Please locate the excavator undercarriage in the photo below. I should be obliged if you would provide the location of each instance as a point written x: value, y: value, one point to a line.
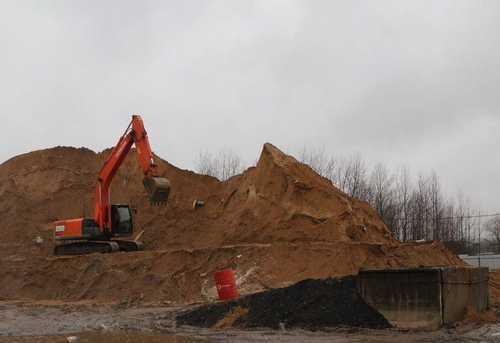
x: 89, y: 247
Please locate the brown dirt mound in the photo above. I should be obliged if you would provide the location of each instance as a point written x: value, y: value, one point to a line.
x: 276, y: 223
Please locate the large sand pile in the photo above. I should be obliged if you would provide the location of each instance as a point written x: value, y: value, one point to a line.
x: 276, y: 223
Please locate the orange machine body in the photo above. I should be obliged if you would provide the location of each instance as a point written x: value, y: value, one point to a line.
x: 68, y: 229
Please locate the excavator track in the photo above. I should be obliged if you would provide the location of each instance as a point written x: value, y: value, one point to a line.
x: 90, y: 247
x: 86, y: 247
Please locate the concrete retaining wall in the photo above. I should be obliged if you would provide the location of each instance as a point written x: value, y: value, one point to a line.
x: 425, y: 297
x: 463, y: 289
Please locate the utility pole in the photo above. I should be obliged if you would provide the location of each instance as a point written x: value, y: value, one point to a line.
x: 479, y: 255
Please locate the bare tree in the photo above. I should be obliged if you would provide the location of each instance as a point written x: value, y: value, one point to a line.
x: 403, y: 199
x: 382, y: 185
x: 223, y: 165
x: 350, y: 175
x: 436, y: 206
x: 205, y: 165
x: 493, y: 229
x: 319, y: 161
x: 358, y: 186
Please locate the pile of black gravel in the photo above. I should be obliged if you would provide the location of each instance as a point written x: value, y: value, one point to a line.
x: 309, y: 304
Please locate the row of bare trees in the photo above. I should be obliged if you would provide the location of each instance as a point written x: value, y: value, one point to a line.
x: 413, y: 207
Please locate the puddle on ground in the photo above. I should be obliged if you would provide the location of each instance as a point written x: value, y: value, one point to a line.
x: 108, y: 337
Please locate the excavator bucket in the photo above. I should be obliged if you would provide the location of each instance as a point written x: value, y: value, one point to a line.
x: 158, y: 189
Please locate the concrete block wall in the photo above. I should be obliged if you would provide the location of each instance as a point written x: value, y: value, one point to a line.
x: 425, y: 297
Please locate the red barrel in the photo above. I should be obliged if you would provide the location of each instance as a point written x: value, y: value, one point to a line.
x: 225, y: 281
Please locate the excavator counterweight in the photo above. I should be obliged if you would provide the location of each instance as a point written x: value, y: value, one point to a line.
x: 110, y: 221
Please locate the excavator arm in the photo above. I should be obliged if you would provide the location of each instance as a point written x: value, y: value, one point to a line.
x: 158, y: 188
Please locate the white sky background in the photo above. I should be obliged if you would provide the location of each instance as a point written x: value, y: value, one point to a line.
x: 403, y: 82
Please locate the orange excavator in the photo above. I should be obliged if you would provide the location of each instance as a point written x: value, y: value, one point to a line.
x: 112, y: 221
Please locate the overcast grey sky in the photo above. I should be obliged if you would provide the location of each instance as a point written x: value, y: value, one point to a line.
x: 404, y: 82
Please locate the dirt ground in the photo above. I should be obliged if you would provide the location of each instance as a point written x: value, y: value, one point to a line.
x: 40, y: 322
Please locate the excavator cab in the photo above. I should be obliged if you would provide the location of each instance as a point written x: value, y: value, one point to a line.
x: 158, y: 189
x: 121, y: 219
